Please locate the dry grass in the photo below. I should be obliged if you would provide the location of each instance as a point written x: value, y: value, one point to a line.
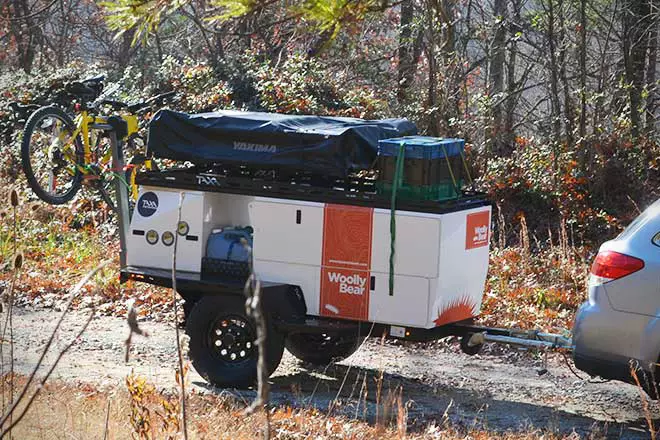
x: 540, y: 289
x: 79, y: 412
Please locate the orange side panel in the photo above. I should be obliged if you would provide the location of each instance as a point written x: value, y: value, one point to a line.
x: 477, y: 228
x: 346, y: 260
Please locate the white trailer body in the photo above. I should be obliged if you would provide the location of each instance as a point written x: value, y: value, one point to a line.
x: 338, y: 254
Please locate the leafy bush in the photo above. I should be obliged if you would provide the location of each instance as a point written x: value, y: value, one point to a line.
x: 548, y: 184
x: 301, y: 86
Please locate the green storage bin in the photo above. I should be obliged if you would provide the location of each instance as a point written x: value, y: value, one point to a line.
x: 439, y: 192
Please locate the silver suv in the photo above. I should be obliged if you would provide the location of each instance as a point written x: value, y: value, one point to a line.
x: 620, y: 321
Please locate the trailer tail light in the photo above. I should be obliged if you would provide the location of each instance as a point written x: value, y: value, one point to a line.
x: 610, y: 265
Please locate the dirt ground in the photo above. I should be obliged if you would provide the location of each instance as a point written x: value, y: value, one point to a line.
x: 500, y: 389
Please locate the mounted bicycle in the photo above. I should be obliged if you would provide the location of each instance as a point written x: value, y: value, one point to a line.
x: 59, y: 153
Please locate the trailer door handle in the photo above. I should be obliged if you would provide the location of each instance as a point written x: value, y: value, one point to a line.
x: 298, y: 216
x: 373, y: 283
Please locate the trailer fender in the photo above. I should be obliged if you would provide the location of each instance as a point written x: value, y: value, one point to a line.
x: 284, y: 302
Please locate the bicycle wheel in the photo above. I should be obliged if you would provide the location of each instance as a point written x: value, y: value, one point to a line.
x: 49, y: 155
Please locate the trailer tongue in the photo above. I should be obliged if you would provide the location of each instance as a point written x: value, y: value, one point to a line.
x: 400, y: 251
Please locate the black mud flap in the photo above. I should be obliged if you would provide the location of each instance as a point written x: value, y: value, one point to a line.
x: 284, y: 302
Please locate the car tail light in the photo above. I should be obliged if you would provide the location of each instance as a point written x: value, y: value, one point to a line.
x: 610, y: 265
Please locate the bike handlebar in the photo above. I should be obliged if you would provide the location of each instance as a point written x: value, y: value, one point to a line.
x: 158, y: 99
x: 134, y: 108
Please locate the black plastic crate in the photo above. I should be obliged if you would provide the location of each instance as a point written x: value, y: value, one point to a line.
x: 421, y: 172
x: 216, y: 267
x: 428, y: 161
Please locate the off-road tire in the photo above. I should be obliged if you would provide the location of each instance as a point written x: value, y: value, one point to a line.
x: 208, y: 315
x: 322, y: 348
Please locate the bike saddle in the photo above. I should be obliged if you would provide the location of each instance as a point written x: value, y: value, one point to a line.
x: 84, y: 90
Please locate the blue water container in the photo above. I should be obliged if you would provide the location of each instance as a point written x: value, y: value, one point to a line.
x: 225, y: 244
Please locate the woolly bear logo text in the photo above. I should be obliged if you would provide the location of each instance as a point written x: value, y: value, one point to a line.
x: 350, y: 284
x: 476, y: 230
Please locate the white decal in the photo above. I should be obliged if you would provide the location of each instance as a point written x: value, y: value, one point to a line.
x: 149, y: 204
x: 332, y: 308
x: 206, y: 180
x: 351, y: 284
x: 480, y: 234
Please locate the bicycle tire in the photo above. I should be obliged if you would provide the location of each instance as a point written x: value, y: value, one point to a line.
x: 26, y: 156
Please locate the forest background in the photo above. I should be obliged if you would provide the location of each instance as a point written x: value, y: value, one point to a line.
x: 557, y: 101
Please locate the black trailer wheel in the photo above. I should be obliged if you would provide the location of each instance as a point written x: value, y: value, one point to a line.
x: 222, y: 344
x: 470, y: 349
x: 322, y: 348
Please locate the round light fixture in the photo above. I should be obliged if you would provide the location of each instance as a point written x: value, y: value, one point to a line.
x: 152, y: 236
x: 182, y: 228
x: 168, y: 238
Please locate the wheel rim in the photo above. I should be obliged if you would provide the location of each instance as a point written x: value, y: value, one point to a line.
x: 231, y: 339
x: 51, y: 147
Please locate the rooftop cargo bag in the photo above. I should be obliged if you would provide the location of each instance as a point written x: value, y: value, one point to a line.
x: 330, y: 146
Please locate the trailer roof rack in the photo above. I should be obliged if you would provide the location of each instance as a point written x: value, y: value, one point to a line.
x: 350, y: 192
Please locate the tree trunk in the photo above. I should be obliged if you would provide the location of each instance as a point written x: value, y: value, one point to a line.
x: 24, y: 35
x: 451, y: 70
x: 603, y: 70
x: 434, y: 129
x: 406, y: 61
x: 512, y: 95
x: 554, y: 74
x: 124, y: 54
x: 583, y: 70
x: 651, y: 68
x: 496, y: 77
x: 634, y: 51
x: 569, y: 109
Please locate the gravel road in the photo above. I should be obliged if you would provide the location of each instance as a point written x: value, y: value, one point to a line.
x: 500, y: 389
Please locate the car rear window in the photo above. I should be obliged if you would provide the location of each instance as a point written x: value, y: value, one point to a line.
x: 636, y: 224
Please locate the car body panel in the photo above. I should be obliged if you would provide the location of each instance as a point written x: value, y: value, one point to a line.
x: 620, y: 322
x: 638, y: 292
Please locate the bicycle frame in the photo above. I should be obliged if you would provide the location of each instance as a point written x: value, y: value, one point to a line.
x: 85, y: 123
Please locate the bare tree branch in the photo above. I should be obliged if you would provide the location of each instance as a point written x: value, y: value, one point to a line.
x: 74, y: 293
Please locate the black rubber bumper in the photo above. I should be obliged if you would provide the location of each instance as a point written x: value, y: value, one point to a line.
x: 603, y: 368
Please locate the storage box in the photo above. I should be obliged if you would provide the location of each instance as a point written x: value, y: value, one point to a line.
x: 429, y: 165
x: 339, y: 256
